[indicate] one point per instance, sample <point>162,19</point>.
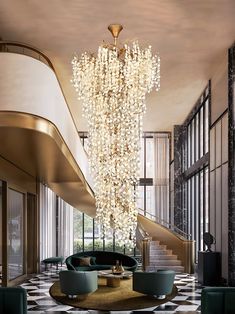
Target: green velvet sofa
<point>100,260</point>
<point>218,300</point>
<point>13,300</point>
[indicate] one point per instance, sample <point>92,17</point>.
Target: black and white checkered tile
<point>187,300</point>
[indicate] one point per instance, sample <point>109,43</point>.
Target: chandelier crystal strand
<point>113,88</point>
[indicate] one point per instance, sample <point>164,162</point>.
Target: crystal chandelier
<point>113,87</point>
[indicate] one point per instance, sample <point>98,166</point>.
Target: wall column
<point>231,171</point>
<point>178,178</point>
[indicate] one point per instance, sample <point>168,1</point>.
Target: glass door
<point>16,238</point>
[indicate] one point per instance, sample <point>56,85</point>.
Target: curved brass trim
<point>28,121</point>
<point>4,44</point>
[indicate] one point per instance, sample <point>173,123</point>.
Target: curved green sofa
<point>100,260</point>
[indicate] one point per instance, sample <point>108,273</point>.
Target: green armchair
<point>218,300</point>
<point>13,300</point>
<point>73,283</point>
<point>157,284</point>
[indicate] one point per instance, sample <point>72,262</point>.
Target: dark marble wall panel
<point>179,215</point>
<point>231,170</point>
<point>224,221</point>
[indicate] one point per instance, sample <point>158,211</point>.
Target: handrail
<point>143,232</point>
<point>6,46</point>
<point>167,224</point>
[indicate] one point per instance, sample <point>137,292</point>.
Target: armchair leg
<point>72,296</point>
<point>160,297</point>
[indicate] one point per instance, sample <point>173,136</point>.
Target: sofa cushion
<point>84,261</point>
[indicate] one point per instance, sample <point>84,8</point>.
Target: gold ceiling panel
<point>35,145</point>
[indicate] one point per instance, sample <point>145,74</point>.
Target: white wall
<point>219,88</point>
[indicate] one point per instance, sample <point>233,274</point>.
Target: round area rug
<point>110,299</point>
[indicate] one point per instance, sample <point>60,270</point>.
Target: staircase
<point>162,258</point>
<point>163,248</point>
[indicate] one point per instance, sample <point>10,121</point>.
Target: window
<point>153,189</point>
<point>195,193</point>
<point>77,231</point>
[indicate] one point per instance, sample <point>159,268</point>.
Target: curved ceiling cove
<point>37,132</point>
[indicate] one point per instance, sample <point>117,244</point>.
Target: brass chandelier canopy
<point>115,30</point>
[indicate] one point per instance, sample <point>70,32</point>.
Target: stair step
<point>158,247</point>
<point>165,263</point>
<point>154,242</point>
<point>162,257</point>
<point>178,269</point>
<point>161,252</point>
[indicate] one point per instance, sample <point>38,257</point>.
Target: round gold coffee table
<point>113,280</point>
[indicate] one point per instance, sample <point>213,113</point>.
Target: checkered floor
<point>39,300</point>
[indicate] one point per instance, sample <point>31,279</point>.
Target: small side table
<point>114,280</point>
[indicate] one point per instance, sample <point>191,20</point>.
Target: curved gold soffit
<point>35,145</point>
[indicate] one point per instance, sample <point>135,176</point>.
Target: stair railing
<point>166,224</point>
<point>143,240</point>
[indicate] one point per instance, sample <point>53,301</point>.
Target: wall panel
<point>218,215</point>
<point>218,144</point>
<point>224,220</point>
<point>212,203</point>
<point>219,188</point>
<point>212,149</point>
<point>224,148</point>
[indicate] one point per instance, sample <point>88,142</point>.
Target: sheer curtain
<point>161,175</point>
<point>65,228</point>
<point>47,222</point>
<point>56,225</point>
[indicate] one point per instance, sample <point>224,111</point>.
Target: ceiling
<point>192,36</point>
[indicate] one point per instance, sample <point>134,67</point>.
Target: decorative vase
<point>118,268</point>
